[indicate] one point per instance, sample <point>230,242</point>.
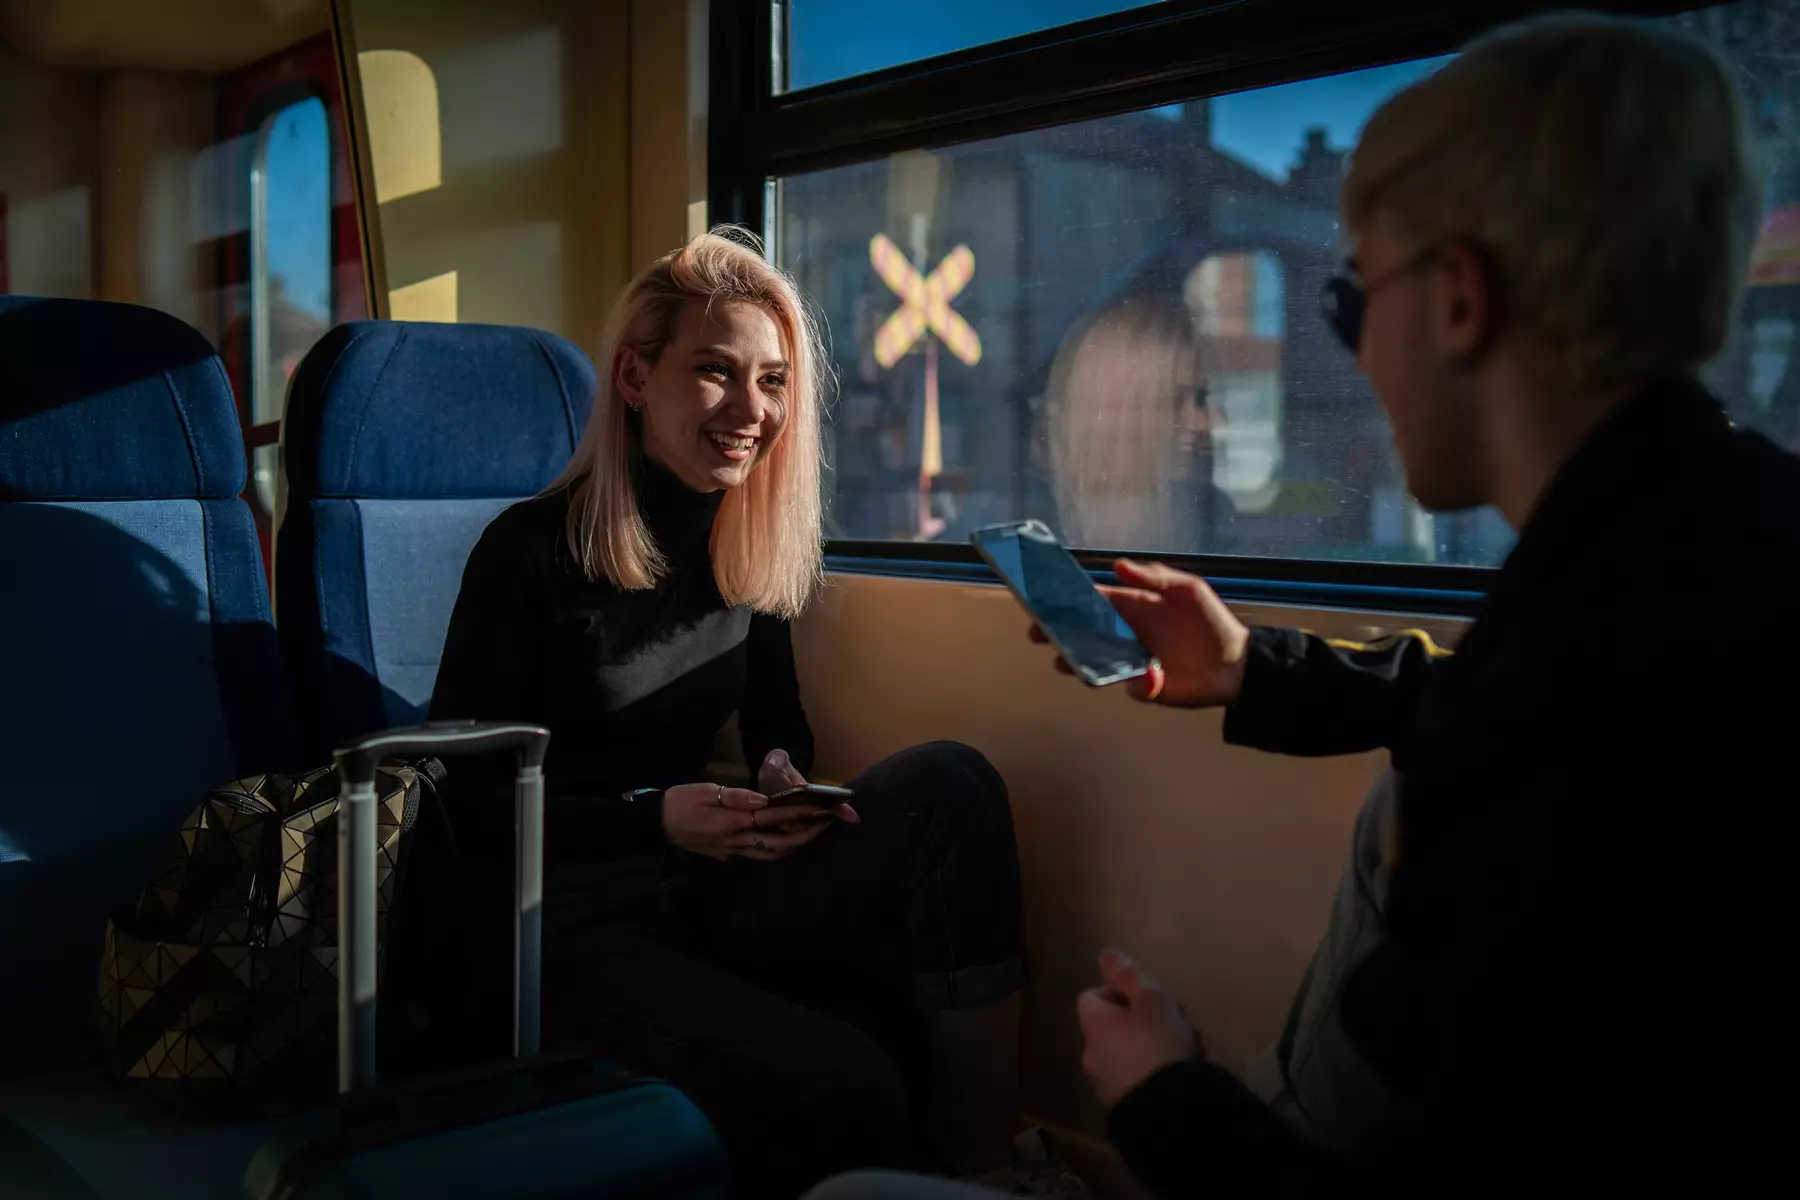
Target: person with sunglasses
<point>1555,957</point>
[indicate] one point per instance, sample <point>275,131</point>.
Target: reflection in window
<point>1238,302</point>
<point>290,263</point>
<point>1128,430</point>
<point>1155,373</point>
<point>829,40</point>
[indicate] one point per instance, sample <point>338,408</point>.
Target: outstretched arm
<point>1308,695</point>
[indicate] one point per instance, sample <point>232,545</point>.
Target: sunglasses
<point>1345,297</point>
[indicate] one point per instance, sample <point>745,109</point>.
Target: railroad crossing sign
<point>925,303</point>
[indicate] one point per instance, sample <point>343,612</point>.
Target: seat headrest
<point>102,401</point>
<point>411,410</point>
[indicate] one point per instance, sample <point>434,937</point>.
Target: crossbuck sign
<point>925,303</point>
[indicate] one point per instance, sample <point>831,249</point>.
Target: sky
<point>1266,127</point>
<point>299,206</point>
<point>835,39</point>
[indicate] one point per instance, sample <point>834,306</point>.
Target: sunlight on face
<point>717,397</point>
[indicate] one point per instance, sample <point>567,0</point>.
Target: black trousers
<point>786,998</point>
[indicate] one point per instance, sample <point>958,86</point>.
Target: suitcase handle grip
<point>357,760</point>
<point>357,834</point>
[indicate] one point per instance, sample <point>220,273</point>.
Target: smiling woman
<point>714,396</point>
<point>708,347</point>
<point>695,931</point>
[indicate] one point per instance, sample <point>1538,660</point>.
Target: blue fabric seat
<point>141,669</point>
<point>401,442</point>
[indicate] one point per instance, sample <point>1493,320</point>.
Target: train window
<point>829,40</point>
<point>290,263</point>
<point>1758,376</point>
<point>1128,341</point>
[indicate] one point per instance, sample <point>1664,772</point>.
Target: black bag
<point>218,989</point>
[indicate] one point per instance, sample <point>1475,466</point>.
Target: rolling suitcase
<point>528,1127</point>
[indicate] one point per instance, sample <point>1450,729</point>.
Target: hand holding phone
<point>812,793</point>
<point>813,802</point>
<point>1199,644</point>
<point>807,804</point>
<point>1099,647</point>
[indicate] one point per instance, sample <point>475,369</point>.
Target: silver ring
<point>753,824</point>
<point>720,800</point>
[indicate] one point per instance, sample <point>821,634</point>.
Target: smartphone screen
<point>1080,622</point>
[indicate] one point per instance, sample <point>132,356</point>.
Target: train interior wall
<point>1138,827</point>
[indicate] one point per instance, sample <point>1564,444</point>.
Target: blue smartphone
<point>1080,622</point>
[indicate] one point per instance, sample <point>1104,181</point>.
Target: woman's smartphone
<point>1080,622</point>
<point>822,794</point>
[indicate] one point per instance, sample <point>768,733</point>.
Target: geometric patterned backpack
<point>218,989</point>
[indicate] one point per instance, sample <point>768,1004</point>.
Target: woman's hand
<point>1197,644</point>
<point>722,822</point>
<point>778,774</point>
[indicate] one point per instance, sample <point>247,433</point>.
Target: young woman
<point>809,975</point>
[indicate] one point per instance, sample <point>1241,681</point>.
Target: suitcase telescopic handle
<point>356,764</point>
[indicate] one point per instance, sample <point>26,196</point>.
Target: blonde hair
<point>766,548</point>
<point>1112,407</point>
<point>1605,169</point>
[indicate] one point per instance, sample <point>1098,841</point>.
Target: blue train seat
<point>140,669</point>
<point>401,442</point>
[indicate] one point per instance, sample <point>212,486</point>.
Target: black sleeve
<point>1313,696</point>
<point>487,674</point>
<point>1193,1130</point>
<point>770,716</point>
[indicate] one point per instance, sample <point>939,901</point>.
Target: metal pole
<point>528,895</point>
<point>930,431</point>
<point>356,937</point>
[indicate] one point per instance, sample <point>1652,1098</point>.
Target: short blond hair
<point>1605,168</point>
<point>766,540</point>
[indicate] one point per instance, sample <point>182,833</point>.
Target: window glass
<point>1152,371</point>
<point>1758,376</point>
<point>828,40</point>
<point>290,251</point>
<point>1145,365</point>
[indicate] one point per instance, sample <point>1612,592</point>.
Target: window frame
<point>1121,62</point>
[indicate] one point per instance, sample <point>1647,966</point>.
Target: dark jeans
<point>785,998</point>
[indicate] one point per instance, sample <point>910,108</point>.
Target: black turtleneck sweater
<point>633,686</point>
